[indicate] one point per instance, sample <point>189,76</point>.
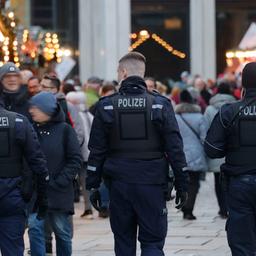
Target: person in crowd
<point>15,99</point>
<point>232,135</point>
<point>151,83</point>
<point>68,86</point>
<point>108,88</point>
<point>15,95</point>
<point>25,74</point>
<point>51,83</point>
<point>18,141</point>
<point>201,86</point>
<point>175,95</point>
<point>135,164</point>
<point>64,161</point>
<point>78,100</point>
<point>223,96</point>
<point>211,86</point>
<point>34,86</point>
<point>193,131</point>
<point>92,90</point>
<point>161,88</point>
<point>184,82</point>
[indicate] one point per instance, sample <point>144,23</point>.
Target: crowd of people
<point>62,115</point>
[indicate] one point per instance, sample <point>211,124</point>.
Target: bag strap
<point>190,127</point>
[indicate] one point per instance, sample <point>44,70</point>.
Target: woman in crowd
<point>61,148</point>
<point>193,131</point>
<point>78,101</point>
<point>223,96</point>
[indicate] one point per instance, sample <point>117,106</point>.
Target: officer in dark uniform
<point>133,139</point>
<point>17,141</point>
<point>233,135</point>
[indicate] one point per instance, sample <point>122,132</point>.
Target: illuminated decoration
<point>8,42</point>
<point>236,59</point>
<point>144,35</point>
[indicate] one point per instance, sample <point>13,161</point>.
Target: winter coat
<point>193,147</point>
<point>17,102</point>
<point>216,103</point>
<point>78,123</point>
<point>60,145</point>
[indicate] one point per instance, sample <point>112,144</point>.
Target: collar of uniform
<point>133,82</point>
<point>1,102</point>
<point>250,93</point>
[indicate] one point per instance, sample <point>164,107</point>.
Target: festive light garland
<point>8,40</point>
<point>144,35</point>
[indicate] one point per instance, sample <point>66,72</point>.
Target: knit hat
<point>249,75</point>
<point>8,67</point>
<point>45,101</point>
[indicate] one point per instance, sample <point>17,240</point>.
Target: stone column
<point>104,28</point>
<point>203,38</point>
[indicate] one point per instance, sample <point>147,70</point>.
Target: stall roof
<point>249,39</point>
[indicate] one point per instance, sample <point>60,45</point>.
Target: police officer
<point>232,135</point>
<point>17,141</point>
<point>133,139</point>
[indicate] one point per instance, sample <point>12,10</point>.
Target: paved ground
<point>203,237</point>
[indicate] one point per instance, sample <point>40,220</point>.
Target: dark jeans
<point>241,224</point>
<point>221,194</point>
<point>194,185</point>
<point>142,208</point>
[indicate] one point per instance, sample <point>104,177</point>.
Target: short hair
<point>107,86</point>
<point>224,88</point>
<point>68,87</point>
<point>134,63</point>
<point>55,81</point>
<point>33,78</point>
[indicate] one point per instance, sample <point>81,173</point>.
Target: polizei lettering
<point>249,111</point>
<point>4,121</point>
<point>131,103</point>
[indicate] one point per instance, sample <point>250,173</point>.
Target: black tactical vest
<point>133,134</point>
<point>10,151</point>
<point>242,135</point>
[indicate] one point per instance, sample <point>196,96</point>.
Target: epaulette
<point>109,96</point>
<point>156,93</point>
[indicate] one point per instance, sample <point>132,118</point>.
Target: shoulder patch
<point>17,119</point>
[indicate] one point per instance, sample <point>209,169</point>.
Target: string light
<point>144,35</point>
<point>11,15</point>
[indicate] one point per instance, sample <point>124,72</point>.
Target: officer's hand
<point>168,191</point>
<point>181,198</point>
<point>95,199</point>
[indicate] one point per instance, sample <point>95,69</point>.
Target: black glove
<point>42,208</point>
<point>95,199</point>
<point>181,198</point>
<point>168,190</point>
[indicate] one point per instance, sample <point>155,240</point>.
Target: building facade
<point>98,31</point>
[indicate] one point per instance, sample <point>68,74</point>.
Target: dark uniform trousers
<point>142,207</point>
<point>12,223</point>
<point>241,224</point>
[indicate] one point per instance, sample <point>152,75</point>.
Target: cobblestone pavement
<point>204,237</point>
